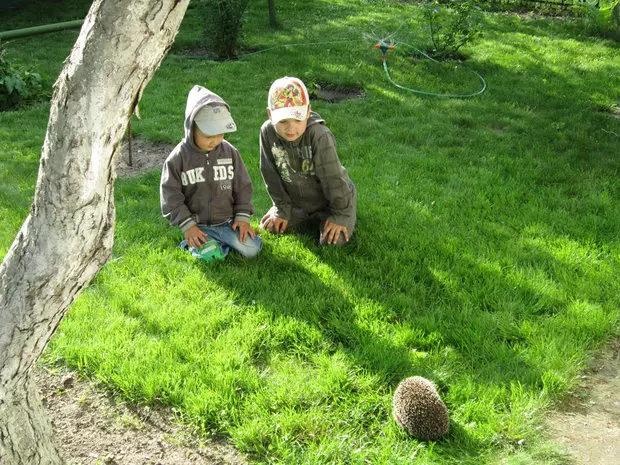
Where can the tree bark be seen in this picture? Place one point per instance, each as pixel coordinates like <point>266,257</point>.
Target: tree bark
<point>68,235</point>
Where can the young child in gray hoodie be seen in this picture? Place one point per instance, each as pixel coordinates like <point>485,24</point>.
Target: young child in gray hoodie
<point>205,188</point>
<point>301,168</point>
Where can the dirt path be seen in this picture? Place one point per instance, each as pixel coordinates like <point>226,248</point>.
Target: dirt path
<point>92,428</point>
<point>587,424</point>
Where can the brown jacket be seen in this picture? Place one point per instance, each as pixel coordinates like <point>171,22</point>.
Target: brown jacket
<point>306,173</point>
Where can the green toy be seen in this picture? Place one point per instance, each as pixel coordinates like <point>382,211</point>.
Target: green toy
<point>210,251</point>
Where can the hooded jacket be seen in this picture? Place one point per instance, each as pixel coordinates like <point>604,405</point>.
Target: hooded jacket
<point>306,173</point>
<point>204,188</point>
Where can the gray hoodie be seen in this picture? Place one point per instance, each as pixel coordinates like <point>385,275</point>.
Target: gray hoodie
<point>204,188</point>
<point>306,173</point>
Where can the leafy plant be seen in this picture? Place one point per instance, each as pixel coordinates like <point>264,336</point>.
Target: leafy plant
<point>451,25</point>
<point>17,85</point>
<point>223,26</point>
<point>601,19</point>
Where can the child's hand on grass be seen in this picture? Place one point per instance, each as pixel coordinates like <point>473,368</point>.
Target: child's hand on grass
<point>331,232</point>
<point>195,237</point>
<point>273,223</point>
<point>245,230</point>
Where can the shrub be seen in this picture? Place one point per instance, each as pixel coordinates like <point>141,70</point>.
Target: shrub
<point>17,85</point>
<point>451,25</point>
<point>223,26</point>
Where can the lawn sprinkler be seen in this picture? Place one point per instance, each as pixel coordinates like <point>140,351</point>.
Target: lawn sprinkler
<point>384,48</point>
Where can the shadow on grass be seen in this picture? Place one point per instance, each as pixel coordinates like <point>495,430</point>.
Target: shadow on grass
<point>295,292</point>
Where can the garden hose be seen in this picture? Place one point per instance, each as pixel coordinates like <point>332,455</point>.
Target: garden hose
<point>28,31</point>
<point>384,49</point>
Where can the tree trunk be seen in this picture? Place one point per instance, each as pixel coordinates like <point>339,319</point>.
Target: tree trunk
<point>68,235</point>
<point>273,22</point>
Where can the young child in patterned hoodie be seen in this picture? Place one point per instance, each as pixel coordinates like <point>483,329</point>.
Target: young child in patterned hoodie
<point>205,188</point>
<point>301,169</point>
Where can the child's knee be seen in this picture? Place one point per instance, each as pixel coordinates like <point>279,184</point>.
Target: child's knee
<point>250,252</point>
<point>251,248</point>
<point>340,242</point>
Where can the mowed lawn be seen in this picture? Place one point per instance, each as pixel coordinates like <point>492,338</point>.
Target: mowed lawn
<point>486,256</point>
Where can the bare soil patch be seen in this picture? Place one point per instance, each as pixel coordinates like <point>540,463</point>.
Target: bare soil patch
<point>334,94</point>
<point>93,428</point>
<point>145,156</point>
<point>587,423</point>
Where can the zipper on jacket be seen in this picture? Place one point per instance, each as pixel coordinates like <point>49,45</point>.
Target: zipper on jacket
<point>210,181</point>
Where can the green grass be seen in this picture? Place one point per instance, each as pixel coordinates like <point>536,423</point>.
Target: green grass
<point>486,255</point>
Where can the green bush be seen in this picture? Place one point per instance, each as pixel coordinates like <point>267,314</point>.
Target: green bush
<point>223,26</point>
<point>451,25</point>
<point>17,85</point>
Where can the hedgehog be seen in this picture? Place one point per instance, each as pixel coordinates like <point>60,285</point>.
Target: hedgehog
<point>419,410</point>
